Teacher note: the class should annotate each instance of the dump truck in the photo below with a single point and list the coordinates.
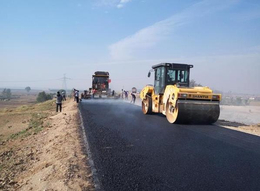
(172, 96)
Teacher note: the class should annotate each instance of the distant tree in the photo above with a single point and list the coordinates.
(232, 101)
(238, 101)
(6, 94)
(42, 96)
(246, 101)
(193, 83)
(28, 89)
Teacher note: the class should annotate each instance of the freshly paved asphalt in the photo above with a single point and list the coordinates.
(133, 151)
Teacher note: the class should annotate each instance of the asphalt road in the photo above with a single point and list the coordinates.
(132, 151)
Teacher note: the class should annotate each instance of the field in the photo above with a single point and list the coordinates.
(19, 98)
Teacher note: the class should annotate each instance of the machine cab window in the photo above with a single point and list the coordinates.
(182, 76)
(176, 76)
(159, 83)
(171, 76)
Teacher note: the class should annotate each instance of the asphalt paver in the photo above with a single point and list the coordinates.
(133, 151)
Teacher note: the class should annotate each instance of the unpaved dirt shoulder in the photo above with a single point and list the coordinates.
(250, 129)
(53, 159)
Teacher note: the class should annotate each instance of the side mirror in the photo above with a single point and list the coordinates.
(149, 74)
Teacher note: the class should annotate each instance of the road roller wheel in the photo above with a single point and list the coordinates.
(147, 105)
(171, 112)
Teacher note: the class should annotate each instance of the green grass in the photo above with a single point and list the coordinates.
(35, 126)
(47, 105)
(36, 120)
(39, 112)
(23, 108)
(38, 129)
(23, 133)
(44, 106)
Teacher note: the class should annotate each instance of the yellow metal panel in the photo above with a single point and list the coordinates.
(155, 102)
(146, 90)
(196, 90)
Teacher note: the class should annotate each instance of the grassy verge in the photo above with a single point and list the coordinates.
(36, 125)
(24, 120)
(16, 125)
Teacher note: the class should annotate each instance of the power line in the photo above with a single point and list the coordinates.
(28, 81)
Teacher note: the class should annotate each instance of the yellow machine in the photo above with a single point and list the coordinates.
(172, 96)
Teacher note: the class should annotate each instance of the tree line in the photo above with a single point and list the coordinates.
(6, 94)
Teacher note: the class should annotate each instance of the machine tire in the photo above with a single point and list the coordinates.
(171, 116)
(147, 105)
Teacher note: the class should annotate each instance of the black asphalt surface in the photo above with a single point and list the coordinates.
(133, 151)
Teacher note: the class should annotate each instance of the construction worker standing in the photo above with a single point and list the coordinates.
(58, 102)
(133, 98)
(126, 95)
(122, 94)
(77, 95)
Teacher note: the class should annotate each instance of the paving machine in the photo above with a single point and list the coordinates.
(100, 84)
(172, 96)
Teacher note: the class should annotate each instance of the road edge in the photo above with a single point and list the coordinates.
(96, 181)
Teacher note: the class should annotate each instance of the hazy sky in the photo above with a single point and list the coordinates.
(42, 40)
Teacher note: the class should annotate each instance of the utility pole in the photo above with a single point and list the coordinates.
(64, 82)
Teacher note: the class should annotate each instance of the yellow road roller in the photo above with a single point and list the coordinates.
(172, 96)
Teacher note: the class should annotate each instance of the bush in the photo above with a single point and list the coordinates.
(6, 94)
(28, 89)
(42, 96)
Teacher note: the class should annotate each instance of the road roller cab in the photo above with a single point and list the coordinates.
(172, 96)
(170, 74)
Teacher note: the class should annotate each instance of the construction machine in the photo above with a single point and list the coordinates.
(172, 96)
(100, 84)
(87, 94)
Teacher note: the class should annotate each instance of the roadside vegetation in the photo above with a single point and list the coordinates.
(24, 120)
(15, 126)
(6, 94)
(42, 97)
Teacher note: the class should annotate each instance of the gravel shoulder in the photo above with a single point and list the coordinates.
(249, 115)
